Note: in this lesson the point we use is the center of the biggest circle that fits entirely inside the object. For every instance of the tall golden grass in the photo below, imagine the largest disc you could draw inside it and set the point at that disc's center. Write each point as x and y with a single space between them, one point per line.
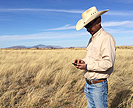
47 79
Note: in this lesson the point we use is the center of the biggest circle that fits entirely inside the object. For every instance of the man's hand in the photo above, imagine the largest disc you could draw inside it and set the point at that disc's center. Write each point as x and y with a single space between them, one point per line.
79 61
80 64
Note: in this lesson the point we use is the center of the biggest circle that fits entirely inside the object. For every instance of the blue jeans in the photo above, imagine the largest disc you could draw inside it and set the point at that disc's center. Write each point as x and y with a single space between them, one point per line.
96 94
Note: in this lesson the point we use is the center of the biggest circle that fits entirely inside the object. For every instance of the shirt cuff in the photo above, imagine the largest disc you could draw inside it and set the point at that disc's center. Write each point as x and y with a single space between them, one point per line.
86 66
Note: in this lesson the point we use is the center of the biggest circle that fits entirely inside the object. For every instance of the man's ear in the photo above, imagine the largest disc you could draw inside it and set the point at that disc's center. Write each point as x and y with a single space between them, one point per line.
99 23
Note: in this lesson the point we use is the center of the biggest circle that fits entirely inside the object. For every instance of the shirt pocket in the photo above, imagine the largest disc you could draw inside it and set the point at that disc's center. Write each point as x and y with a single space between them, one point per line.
93 52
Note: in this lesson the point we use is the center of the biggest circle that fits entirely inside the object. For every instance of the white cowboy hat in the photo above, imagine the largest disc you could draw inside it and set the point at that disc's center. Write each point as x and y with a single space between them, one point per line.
88 16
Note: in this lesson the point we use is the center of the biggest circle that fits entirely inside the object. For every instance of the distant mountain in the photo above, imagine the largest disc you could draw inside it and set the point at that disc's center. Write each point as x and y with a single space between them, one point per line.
36 46
39 46
46 46
17 47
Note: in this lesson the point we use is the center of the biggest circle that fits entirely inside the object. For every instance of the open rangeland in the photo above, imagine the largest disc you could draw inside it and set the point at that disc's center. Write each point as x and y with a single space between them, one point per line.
33 78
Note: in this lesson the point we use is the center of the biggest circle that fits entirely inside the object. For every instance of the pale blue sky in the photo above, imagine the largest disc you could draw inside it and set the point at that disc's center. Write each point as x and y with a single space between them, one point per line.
52 22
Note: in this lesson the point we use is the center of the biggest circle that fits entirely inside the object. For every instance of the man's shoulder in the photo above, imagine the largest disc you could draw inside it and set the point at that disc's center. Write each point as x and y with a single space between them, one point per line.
107 35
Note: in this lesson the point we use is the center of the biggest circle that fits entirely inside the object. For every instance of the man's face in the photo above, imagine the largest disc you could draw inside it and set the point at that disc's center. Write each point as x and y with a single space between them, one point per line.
92 27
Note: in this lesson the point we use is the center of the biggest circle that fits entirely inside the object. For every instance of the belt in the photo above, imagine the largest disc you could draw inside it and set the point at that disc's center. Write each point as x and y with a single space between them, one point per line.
93 81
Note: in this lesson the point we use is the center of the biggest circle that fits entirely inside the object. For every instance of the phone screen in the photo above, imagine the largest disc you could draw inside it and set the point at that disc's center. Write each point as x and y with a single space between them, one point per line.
74 64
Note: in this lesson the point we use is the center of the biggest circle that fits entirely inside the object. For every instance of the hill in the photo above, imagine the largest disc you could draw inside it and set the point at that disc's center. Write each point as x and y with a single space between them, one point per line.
36 46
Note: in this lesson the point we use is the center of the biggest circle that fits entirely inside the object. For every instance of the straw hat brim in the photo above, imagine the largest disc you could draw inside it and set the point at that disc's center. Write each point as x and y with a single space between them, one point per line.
80 24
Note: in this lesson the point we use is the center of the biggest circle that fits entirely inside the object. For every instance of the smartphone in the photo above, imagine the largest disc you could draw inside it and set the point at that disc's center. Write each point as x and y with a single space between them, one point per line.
74 64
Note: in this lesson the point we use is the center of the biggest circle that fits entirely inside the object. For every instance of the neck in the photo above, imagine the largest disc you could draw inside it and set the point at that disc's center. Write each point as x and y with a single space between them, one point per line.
97 29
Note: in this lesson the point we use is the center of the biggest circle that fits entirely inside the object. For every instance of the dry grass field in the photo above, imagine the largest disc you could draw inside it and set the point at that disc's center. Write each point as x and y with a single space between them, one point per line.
32 78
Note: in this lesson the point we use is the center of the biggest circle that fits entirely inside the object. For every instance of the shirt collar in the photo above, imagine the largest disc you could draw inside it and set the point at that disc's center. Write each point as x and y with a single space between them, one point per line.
98 32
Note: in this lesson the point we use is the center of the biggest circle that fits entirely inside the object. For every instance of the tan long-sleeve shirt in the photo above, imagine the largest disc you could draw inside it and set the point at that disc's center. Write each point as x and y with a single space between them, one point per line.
100 55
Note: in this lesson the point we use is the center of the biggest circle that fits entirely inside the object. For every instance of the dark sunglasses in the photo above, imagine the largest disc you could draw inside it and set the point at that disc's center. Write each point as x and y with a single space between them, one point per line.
90 24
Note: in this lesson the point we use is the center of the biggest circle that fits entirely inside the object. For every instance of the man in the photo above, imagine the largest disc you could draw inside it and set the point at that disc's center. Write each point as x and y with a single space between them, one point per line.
99 61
